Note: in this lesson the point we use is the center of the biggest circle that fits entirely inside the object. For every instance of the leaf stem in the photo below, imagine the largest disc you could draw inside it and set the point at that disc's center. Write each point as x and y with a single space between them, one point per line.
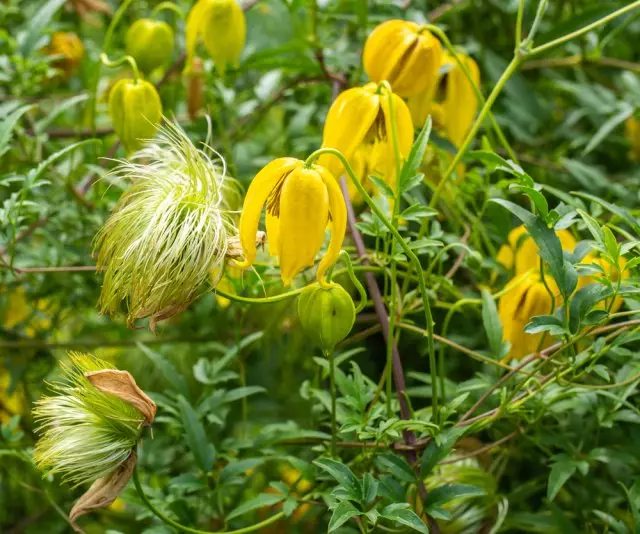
332 380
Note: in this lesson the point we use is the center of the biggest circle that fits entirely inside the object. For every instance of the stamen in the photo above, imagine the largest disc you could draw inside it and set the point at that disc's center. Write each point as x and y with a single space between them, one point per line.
273 200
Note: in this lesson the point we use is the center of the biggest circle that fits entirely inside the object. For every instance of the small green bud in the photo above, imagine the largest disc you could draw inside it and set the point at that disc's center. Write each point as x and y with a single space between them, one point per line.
150 43
326 314
136 111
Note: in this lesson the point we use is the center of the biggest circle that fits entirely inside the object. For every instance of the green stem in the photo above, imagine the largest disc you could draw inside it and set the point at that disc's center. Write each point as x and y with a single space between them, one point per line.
168 6
542 7
519 25
124 59
105 48
511 68
410 254
354 280
332 380
174 524
494 123
263 300
585 29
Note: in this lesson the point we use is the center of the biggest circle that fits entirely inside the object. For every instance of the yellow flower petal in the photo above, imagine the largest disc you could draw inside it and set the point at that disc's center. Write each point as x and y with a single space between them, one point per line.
460 104
338 212
260 188
304 211
273 233
193 30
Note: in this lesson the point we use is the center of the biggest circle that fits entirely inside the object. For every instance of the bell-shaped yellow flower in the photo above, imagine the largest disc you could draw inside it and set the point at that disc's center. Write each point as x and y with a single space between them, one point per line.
526 299
520 253
405 54
300 201
632 131
359 125
460 103
69 49
222 26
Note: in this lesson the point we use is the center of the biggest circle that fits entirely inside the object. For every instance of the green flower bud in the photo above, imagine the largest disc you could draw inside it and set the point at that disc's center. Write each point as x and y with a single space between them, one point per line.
326 314
135 110
150 43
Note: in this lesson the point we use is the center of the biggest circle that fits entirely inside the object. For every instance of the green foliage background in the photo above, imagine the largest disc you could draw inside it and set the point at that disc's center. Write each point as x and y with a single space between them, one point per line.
242 395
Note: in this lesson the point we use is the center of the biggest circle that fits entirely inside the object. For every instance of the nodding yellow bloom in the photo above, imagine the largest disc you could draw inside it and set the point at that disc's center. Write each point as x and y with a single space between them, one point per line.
70 50
300 201
405 54
632 130
527 298
222 26
520 253
359 125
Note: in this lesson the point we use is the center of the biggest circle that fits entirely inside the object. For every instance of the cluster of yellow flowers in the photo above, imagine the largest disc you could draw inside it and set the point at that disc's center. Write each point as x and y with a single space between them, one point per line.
526 295
403 60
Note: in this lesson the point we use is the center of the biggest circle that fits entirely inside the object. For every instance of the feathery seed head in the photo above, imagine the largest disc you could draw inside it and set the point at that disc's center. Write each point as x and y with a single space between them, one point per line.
170 228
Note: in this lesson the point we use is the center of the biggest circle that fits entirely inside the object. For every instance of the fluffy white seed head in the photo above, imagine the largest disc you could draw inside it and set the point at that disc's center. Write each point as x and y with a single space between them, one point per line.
170 228
84 433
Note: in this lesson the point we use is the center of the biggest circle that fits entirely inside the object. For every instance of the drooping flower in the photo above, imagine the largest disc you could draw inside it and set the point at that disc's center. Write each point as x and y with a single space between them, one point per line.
632 131
68 50
222 26
169 229
359 125
405 54
89 429
150 43
520 253
300 201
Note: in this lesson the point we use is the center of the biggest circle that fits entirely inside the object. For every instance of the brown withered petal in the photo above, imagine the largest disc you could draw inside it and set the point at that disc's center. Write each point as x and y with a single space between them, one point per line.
103 491
122 385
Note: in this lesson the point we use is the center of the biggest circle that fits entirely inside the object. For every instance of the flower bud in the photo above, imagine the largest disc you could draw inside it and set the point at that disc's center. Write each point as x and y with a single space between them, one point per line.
69 49
135 110
326 314
195 96
405 54
150 43
222 26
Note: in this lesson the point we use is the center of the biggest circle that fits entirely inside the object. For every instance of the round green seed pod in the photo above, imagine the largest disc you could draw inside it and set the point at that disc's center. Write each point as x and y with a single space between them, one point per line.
150 43
326 314
136 111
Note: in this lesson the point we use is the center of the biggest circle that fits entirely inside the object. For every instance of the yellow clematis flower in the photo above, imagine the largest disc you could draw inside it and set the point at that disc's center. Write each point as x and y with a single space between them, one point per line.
300 201
222 26
520 253
359 125
632 131
405 54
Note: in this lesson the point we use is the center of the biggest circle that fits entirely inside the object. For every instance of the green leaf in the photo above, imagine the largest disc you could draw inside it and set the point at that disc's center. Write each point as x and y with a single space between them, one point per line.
620 212
239 467
537 198
491 160
545 323
561 471
8 123
592 225
169 372
609 125
382 185
448 492
36 25
414 161
369 489
241 393
63 106
583 301
203 451
418 212
436 452
400 513
341 514
546 239
343 475
492 324
397 466
261 501
59 154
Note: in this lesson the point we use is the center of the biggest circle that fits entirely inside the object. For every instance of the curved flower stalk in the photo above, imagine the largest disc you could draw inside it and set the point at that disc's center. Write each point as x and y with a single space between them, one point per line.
221 25
300 201
359 125
89 429
169 229
405 54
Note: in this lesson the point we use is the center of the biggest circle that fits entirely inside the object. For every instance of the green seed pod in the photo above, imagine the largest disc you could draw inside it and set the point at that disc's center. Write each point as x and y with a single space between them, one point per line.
150 43
135 110
326 314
